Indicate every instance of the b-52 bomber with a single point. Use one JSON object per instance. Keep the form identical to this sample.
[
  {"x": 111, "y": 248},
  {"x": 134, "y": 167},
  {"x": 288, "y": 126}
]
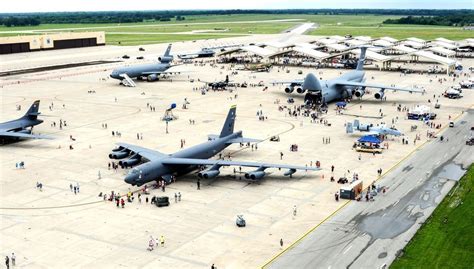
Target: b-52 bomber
[
  {"x": 370, "y": 129},
  {"x": 22, "y": 127},
  {"x": 349, "y": 84},
  {"x": 153, "y": 165},
  {"x": 220, "y": 85},
  {"x": 150, "y": 72}
]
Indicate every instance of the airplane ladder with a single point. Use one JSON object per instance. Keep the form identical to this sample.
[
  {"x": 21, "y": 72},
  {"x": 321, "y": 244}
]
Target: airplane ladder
[{"x": 127, "y": 81}]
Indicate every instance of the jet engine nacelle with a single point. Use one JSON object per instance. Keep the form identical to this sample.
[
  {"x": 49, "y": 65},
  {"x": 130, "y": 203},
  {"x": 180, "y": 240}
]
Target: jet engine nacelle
[
  {"x": 255, "y": 175},
  {"x": 379, "y": 95},
  {"x": 208, "y": 174},
  {"x": 118, "y": 155},
  {"x": 129, "y": 163},
  {"x": 165, "y": 59},
  {"x": 300, "y": 90},
  {"x": 359, "y": 93},
  {"x": 289, "y": 89},
  {"x": 152, "y": 77}
]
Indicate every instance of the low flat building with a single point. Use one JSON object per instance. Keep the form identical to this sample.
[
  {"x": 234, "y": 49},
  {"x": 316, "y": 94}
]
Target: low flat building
[{"x": 27, "y": 43}]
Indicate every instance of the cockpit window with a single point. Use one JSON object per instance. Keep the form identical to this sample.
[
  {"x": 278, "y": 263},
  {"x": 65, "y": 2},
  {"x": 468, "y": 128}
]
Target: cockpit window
[{"x": 134, "y": 171}]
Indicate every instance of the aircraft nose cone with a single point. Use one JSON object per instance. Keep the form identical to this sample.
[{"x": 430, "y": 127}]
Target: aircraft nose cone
[
  {"x": 311, "y": 83},
  {"x": 130, "y": 180}
]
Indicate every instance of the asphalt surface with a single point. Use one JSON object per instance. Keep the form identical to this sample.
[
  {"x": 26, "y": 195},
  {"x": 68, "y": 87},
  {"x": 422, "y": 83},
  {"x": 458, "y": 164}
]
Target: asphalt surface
[{"x": 372, "y": 234}]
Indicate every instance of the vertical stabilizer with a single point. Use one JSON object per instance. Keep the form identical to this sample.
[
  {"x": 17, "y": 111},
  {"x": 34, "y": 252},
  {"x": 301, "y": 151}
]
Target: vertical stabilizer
[
  {"x": 360, "y": 63},
  {"x": 228, "y": 127},
  {"x": 32, "y": 112}
]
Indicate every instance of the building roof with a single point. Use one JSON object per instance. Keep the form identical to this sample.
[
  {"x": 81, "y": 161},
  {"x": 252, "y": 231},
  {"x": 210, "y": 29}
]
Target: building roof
[
  {"x": 355, "y": 42},
  {"x": 389, "y": 39},
  {"x": 327, "y": 41},
  {"x": 413, "y": 44},
  {"x": 442, "y": 39},
  {"x": 382, "y": 43},
  {"x": 338, "y": 37},
  {"x": 443, "y": 51},
  {"x": 404, "y": 48},
  {"x": 372, "y": 55},
  {"x": 434, "y": 57},
  {"x": 444, "y": 45},
  {"x": 337, "y": 47},
  {"x": 364, "y": 38},
  {"x": 307, "y": 45},
  {"x": 414, "y": 39},
  {"x": 278, "y": 45},
  {"x": 312, "y": 53}
]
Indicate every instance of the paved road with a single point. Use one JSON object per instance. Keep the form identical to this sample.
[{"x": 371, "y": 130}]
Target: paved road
[{"x": 371, "y": 234}]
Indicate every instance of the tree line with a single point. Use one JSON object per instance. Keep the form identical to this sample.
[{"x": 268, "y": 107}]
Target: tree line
[
  {"x": 24, "y": 19},
  {"x": 450, "y": 20}
]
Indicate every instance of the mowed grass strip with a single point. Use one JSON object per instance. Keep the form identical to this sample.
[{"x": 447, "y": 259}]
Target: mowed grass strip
[
  {"x": 132, "y": 40},
  {"x": 446, "y": 240}
]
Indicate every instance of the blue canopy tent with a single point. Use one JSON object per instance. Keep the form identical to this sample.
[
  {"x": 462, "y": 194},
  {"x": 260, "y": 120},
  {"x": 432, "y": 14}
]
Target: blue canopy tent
[{"x": 369, "y": 139}]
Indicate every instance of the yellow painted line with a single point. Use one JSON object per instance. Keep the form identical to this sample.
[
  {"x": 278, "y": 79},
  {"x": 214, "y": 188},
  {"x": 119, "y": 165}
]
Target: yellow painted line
[{"x": 346, "y": 203}]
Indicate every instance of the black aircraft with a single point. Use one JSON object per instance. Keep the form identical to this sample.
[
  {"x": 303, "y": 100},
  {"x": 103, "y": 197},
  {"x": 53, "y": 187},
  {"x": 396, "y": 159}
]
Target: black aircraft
[{"x": 22, "y": 127}]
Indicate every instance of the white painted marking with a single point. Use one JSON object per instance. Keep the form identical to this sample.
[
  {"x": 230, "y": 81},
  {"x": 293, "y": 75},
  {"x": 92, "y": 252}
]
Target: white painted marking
[
  {"x": 347, "y": 249},
  {"x": 396, "y": 202}
]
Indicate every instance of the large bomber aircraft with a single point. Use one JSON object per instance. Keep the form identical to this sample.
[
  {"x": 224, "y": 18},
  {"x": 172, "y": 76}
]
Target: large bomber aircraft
[
  {"x": 343, "y": 87},
  {"x": 154, "y": 165},
  {"x": 370, "y": 129},
  {"x": 22, "y": 127},
  {"x": 150, "y": 72}
]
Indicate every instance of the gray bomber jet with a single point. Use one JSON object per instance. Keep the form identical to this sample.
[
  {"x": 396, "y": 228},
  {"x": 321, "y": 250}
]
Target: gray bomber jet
[
  {"x": 370, "y": 129},
  {"x": 343, "y": 87},
  {"x": 150, "y": 72},
  {"x": 22, "y": 127},
  {"x": 153, "y": 165}
]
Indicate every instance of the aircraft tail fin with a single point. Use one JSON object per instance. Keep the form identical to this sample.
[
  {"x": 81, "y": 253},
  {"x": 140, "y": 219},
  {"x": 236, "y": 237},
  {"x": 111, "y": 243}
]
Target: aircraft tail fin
[
  {"x": 356, "y": 124},
  {"x": 33, "y": 111},
  {"x": 228, "y": 127},
  {"x": 360, "y": 63},
  {"x": 168, "y": 51},
  {"x": 349, "y": 128}
]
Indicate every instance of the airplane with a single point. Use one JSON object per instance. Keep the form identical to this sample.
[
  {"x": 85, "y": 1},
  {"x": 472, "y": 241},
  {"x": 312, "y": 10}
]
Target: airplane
[
  {"x": 154, "y": 165},
  {"x": 257, "y": 67},
  {"x": 340, "y": 88},
  {"x": 151, "y": 72},
  {"x": 370, "y": 129},
  {"x": 19, "y": 128},
  {"x": 205, "y": 52},
  {"x": 219, "y": 84}
]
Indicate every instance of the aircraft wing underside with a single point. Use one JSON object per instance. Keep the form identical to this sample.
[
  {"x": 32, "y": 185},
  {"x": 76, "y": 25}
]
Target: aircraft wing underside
[
  {"x": 187, "y": 161},
  {"x": 23, "y": 135},
  {"x": 379, "y": 86},
  {"x": 144, "y": 152}
]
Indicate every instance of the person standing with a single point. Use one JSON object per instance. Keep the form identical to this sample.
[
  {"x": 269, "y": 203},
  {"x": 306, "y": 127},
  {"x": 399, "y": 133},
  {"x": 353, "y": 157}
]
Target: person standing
[
  {"x": 7, "y": 262},
  {"x": 198, "y": 184},
  {"x": 13, "y": 258},
  {"x": 294, "y": 211},
  {"x": 281, "y": 242},
  {"x": 162, "y": 241}
]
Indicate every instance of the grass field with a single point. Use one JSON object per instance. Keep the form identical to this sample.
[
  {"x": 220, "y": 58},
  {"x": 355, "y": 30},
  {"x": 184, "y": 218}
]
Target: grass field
[
  {"x": 446, "y": 240},
  {"x": 130, "y": 40},
  {"x": 370, "y": 25}
]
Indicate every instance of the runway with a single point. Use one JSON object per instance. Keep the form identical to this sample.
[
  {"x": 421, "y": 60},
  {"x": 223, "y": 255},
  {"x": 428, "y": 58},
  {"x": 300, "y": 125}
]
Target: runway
[{"x": 371, "y": 234}]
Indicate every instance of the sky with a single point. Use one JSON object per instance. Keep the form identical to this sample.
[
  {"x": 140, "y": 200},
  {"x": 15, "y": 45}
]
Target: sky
[{"x": 19, "y": 6}]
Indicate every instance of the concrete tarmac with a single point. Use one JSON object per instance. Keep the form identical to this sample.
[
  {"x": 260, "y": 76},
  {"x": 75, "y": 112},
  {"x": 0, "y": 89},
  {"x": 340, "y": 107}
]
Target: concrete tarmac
[
  {"x": 372, "y": 234},
  {"x": 56, "y": 228}
]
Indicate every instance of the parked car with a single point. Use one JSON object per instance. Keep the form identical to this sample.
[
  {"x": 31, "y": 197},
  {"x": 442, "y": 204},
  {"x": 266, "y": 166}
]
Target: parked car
[{"x": 125, "y": 57}]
